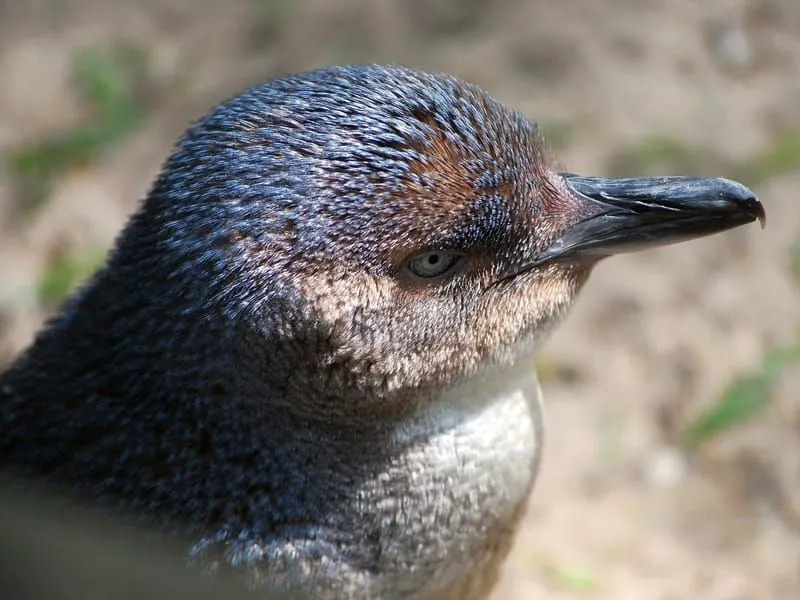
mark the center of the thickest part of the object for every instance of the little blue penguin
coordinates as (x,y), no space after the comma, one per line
(309,352)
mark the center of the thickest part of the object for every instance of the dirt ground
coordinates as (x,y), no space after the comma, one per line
(619,511)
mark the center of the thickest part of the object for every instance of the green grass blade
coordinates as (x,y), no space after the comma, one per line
(743,399)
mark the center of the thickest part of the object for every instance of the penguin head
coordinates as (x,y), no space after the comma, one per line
(375,235)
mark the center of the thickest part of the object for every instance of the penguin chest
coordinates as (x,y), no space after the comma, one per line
(468,468)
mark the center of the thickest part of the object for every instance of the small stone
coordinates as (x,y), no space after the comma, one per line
(730,46)
(665,467)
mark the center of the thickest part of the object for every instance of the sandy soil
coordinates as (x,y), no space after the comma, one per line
(656,337)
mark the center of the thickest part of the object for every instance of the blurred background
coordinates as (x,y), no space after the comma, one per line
(672,468)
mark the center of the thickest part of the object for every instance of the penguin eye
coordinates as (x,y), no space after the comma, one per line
(433,263)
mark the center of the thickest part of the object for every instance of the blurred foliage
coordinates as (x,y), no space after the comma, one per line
(782,156)
(268,21)
(610,434)
(744,398)
(546,368)
(64,273)
(448,17)
(571,578)
(794,260)
(110,83)
(558,134)
(662,154)
(749,394)
(550,370)
(657,155)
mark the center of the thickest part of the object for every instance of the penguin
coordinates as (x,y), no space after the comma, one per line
(308,355)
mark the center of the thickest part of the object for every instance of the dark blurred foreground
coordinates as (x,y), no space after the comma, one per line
(51,549)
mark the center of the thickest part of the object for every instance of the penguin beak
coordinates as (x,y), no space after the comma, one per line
(623,215)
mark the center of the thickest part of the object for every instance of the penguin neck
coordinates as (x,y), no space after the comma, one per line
(429,490)
(475,399)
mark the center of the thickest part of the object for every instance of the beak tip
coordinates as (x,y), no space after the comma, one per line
(755,209)
(760,213)
(747,201)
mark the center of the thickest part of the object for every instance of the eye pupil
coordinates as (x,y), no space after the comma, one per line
(433,263)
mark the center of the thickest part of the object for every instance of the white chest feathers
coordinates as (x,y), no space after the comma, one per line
(469,462)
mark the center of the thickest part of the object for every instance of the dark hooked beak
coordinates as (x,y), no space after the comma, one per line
(623,215)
